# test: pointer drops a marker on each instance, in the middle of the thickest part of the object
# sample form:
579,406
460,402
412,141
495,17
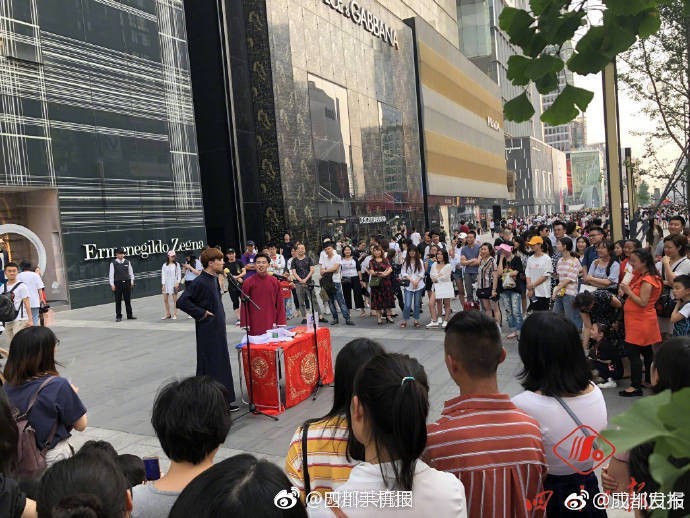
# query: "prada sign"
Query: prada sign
365,19
152,247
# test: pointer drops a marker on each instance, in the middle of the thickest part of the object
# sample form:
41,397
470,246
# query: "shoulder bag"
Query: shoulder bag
574,417
31,458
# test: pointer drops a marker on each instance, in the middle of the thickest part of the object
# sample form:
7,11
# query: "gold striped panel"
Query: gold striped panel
451,157
442,76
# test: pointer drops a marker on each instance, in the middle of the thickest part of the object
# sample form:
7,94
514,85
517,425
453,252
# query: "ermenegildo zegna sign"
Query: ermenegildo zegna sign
144,250
364,18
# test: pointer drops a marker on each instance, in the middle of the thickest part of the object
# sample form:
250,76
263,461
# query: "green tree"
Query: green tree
643,196
541,34
655,73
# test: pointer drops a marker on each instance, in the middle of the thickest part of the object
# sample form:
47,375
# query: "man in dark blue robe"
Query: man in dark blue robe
201,300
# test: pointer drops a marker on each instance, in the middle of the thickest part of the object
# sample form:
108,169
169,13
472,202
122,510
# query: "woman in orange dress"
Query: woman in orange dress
641,324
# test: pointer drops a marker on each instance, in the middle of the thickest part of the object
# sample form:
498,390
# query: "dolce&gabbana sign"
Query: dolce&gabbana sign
152,247
365,19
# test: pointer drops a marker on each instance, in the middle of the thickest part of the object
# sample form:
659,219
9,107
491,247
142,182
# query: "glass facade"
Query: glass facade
97,119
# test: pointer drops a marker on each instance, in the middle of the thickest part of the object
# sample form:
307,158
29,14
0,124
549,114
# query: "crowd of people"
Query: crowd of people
577,303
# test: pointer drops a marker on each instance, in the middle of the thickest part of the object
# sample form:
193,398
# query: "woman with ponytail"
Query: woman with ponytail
388,413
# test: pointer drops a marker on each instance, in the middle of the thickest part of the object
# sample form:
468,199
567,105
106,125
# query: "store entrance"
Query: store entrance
30,228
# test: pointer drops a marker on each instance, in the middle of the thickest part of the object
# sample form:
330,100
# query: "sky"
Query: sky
631,121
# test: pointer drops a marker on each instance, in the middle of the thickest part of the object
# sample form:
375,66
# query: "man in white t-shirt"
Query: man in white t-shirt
20,295
538,272
330,263
35,285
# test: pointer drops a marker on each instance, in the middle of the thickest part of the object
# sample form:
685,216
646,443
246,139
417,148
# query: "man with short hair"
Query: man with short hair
264,290
277,265
469,259
191,422
19,293
491,445
121,278
538,274
248,259
35,285
435,241
504,237
595,236
330,266
676,224
202,300
302,270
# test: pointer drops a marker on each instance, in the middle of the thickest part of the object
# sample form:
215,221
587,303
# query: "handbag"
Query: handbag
444,290
484,293
508,281
327,284
375,281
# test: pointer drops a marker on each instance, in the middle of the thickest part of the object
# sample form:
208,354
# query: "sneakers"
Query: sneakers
237,323
323,320
334,322
349,323
233,408
431,325
304,321
445,323
608,384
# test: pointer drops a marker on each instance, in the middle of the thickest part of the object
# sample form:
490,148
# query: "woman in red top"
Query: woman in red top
641,325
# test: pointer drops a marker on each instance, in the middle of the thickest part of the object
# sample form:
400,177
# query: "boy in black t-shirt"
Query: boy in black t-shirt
235,269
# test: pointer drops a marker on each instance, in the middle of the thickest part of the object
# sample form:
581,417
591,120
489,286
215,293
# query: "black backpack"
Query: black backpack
8,312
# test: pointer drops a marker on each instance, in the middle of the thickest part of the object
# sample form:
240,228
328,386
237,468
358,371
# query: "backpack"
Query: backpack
31,461
8,312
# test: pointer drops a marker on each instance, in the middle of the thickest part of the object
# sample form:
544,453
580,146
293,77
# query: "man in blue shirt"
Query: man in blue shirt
596,236
469,258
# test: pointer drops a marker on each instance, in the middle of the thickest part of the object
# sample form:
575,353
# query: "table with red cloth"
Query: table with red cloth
285,373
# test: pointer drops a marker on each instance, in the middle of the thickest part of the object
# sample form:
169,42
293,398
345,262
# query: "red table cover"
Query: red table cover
300,369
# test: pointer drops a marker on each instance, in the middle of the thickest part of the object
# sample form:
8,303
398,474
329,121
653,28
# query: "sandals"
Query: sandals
403,324
167,317
389,319
380,322
417,325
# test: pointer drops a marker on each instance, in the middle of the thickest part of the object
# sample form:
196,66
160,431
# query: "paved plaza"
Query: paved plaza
118,368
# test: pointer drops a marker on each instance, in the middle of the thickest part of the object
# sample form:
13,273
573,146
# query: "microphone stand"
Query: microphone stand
312,301
246,300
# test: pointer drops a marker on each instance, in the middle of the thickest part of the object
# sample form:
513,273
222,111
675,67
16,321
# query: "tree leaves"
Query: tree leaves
661,419
567,105
541,33
519,108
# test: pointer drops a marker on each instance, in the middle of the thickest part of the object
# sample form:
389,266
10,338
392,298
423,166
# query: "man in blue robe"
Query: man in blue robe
201,300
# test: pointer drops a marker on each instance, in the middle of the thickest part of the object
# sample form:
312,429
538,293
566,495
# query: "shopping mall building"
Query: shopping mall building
164,124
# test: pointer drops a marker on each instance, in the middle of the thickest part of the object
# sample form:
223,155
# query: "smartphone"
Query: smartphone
152,468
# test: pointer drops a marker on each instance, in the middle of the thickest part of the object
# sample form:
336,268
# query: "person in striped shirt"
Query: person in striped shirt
330,448
493,447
